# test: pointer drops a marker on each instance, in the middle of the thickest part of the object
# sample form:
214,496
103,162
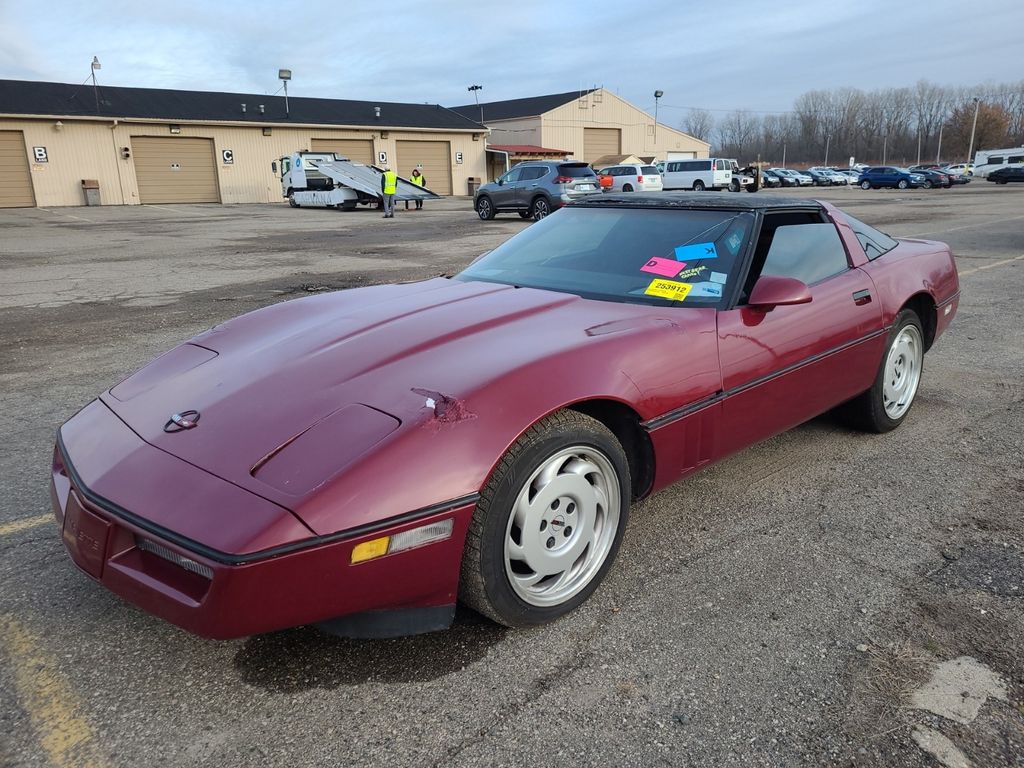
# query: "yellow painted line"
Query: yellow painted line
9,529
993,265
61,729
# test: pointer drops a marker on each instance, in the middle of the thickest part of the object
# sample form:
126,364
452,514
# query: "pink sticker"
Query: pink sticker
660,266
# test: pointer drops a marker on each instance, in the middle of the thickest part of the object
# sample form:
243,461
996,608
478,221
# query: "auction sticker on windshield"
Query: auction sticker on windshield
668,289
662,266
696,252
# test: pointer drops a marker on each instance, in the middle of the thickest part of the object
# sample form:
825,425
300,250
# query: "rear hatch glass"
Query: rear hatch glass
649,169
576,170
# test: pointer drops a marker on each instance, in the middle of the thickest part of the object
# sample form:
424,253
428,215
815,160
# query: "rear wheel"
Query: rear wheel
485,209
884,407
865,185
540,208
927,184
291,200
627,187
698,186
734,185
548,524
903,184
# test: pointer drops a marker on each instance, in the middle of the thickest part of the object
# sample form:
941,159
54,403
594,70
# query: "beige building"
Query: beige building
586,125
143,145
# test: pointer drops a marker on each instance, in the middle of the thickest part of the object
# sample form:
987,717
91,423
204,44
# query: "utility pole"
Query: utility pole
828,140
974,125
284,75
783,154
919,146
657,95
885,147
938,152
476,89
95,90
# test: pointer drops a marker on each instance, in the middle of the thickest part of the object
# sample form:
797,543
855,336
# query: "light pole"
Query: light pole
828,141
95,91
885,147
938,152
475,89
783,154
657,95
974,125
284,76
919,147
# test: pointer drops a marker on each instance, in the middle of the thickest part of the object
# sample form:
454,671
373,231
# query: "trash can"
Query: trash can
474,184
92,191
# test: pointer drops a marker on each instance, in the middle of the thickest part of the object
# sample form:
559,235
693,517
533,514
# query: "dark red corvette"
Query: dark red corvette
363,459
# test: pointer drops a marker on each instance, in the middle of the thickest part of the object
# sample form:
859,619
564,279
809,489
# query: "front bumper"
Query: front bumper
224,594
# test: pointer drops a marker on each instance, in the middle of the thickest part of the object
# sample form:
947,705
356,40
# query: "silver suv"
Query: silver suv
535,189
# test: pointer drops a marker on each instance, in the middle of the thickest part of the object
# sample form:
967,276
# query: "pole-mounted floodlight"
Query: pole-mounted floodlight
474,89
657,95
284,75
95,91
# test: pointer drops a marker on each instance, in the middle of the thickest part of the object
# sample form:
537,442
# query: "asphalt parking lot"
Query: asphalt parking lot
778,609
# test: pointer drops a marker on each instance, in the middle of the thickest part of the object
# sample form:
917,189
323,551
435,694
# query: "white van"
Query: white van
698,175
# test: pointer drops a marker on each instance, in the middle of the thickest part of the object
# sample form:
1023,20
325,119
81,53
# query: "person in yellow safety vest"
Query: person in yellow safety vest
388,188
419,180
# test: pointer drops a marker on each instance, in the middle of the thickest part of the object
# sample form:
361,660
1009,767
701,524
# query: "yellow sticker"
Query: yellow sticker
668,289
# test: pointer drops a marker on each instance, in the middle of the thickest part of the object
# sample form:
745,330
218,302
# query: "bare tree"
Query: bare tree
699,123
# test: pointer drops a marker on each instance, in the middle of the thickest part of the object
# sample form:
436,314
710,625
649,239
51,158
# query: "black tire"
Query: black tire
865,185
903,184
485,208
524,214
734,185
347,206
484,583
627,187
867,410
698,186
927,184
540,208
291,200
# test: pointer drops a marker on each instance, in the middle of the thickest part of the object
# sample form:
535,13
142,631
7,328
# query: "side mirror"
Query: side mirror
273,165
500,182
771,291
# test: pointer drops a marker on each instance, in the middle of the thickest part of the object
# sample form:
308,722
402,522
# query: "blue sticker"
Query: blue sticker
696,252
733,242
718,277
712,290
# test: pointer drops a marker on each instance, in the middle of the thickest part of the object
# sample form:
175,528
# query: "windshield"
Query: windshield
644,256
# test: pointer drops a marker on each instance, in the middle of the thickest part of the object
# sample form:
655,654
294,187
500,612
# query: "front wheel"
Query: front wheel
485,209
865,185
927,184
698,186
884,407
291,201
734,186
548,524
540,208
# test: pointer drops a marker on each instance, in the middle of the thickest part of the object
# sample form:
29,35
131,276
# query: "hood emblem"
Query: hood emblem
182,421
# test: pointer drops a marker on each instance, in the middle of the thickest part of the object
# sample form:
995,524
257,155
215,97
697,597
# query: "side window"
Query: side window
536,172
1015,159
874,242
808,252
995,161
511,176
286,164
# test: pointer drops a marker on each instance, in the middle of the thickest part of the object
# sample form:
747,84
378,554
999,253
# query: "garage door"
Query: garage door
598,142
175,170
15,177
434,157
360,150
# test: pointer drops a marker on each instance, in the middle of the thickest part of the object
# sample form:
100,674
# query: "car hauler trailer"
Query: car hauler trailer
327,180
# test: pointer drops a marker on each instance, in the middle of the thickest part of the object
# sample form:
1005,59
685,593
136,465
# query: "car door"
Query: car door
786,365
529,183
504,197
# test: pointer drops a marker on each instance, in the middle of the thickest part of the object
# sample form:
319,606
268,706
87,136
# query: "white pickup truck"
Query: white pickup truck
327,180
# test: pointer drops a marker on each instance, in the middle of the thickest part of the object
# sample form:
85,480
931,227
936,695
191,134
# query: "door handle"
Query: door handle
860,298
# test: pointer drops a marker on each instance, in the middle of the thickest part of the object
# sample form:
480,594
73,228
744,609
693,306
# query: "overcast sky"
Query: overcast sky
721,55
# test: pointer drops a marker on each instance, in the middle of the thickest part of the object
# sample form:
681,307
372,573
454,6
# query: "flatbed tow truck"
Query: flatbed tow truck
328,180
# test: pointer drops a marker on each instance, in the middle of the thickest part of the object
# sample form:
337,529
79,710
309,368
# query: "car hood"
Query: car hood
341,372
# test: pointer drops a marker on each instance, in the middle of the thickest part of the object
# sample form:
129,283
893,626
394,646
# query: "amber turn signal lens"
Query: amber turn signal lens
368,550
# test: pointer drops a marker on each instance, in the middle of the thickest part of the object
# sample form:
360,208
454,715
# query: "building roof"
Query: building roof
527,149
528,107
22,97
605,160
